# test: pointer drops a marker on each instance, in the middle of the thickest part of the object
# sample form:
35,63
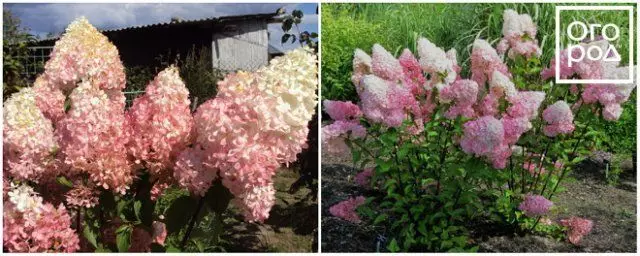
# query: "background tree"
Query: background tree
14,45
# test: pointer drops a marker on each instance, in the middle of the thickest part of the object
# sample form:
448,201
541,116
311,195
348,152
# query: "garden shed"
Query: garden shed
236,42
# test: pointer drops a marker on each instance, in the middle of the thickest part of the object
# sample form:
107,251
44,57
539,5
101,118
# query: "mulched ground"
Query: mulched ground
613,210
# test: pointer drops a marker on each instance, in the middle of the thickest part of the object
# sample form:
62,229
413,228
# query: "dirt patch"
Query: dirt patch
612,209
291,227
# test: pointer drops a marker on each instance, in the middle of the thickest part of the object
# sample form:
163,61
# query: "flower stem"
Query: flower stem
192,223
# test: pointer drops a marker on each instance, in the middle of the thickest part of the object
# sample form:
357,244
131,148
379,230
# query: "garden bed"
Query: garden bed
612,209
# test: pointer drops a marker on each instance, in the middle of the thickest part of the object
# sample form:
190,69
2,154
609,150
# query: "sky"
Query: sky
43,19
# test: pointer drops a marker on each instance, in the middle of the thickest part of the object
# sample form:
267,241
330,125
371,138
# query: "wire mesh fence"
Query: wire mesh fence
33,63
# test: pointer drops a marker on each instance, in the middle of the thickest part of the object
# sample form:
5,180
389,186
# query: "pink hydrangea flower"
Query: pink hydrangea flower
341,110
361,67
485,137
29,226
514,128
464,94
535,205
364,178
386,102
333,135
49,98
519,34
347,209
29,142
82,196
385,65
161,123
435,62
501,85
413,77
93,136
190,172
559,119
577,228
525,104
84,52
484,61
489,105
612,112
256,202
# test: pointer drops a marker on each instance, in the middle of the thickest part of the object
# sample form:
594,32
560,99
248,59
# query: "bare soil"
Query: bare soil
612,209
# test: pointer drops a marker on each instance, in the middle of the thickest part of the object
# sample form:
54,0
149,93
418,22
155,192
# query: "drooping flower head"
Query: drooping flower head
578,228
535,205
347,209
29,144
161,123
559,119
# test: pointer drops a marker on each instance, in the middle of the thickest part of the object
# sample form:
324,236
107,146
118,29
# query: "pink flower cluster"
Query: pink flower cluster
29,143
347,209
519,35
535,205
243,135
161,123
341,111
334,135
93,137
610,96
577,228
82,196
464,94
559,119
485,137
484,61
31,226
364,178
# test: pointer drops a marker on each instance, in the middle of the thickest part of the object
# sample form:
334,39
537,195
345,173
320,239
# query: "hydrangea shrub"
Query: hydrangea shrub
451,151
83,173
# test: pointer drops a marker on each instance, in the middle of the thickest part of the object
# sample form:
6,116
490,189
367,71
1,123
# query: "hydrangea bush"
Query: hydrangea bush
83,173
452,152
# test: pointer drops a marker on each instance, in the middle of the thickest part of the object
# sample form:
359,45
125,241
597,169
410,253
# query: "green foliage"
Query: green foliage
304,37
14,51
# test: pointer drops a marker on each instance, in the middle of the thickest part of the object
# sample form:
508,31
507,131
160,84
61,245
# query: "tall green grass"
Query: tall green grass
397,26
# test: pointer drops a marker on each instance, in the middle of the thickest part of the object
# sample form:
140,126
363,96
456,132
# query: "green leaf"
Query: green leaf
172,249
218,197
137,205
123,240
297,14
380,218
179,213
285,38
90,235
393,246
62,180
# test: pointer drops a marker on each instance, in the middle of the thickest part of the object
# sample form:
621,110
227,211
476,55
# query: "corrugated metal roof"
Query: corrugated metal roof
271,17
